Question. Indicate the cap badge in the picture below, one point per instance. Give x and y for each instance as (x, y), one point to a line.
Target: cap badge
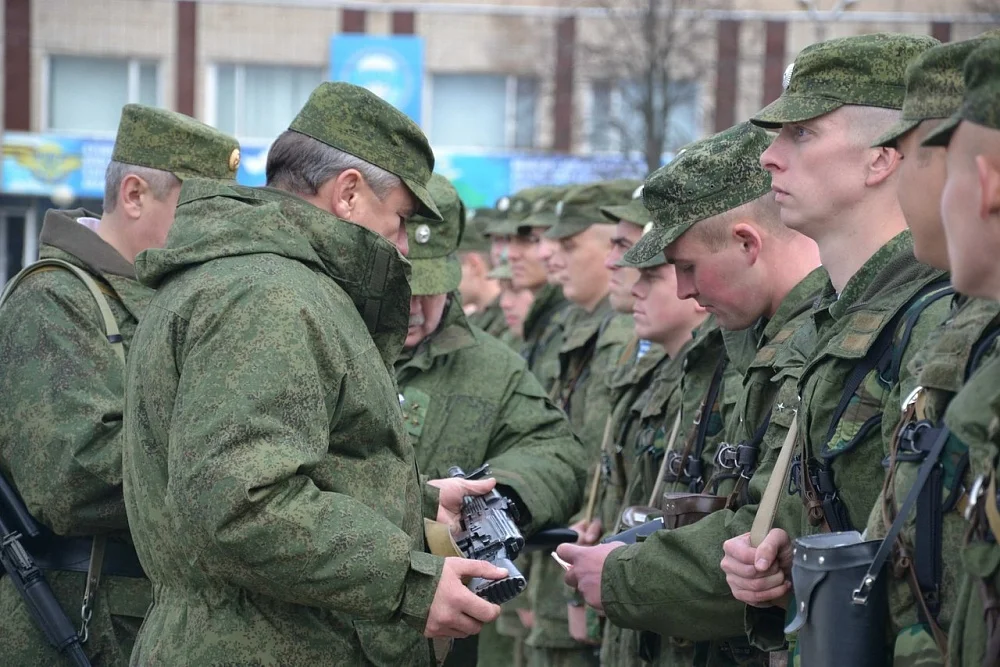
(503, 204)
(234, 159)
(559, 208)
(648, 228)
(422, 234)
(638, 193)
(787, 77)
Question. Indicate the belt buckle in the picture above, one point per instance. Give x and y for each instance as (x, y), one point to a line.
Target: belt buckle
(975, 492)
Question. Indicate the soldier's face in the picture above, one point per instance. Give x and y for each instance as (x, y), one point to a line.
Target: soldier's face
(659, 314)
(922, 174)
(580, 267)
(818, 171)
(386, 217)
(970, 210)
(526, 266)
(719, 280)
(622, 279)
(515, 303)
(425, 316)
(155, 218)
(550, 252)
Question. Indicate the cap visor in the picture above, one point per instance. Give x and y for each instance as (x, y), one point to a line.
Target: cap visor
(543, 220)
(614, 213)
(564, 231)
(794, 109)
(895, 132)
(656, 260)
(941, 135)
(427, 207)
(439, 275)
(646, 249)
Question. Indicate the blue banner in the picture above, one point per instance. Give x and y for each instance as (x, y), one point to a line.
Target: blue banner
(38, 164)
(390, 67)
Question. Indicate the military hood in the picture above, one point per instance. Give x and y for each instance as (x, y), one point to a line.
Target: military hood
(216, 219)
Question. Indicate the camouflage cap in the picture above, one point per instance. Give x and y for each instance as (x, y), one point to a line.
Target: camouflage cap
(543, 210)
(170, 141)
(581, 206)
(501, 271)
(934, 86)
(476, 237)
(355, 120)
(707, 178)
(634, 211)
(436, 269)
(981, 102)
(867, 70)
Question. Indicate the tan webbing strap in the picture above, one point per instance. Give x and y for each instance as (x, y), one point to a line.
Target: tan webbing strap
(768, 507)
(658, 484)
(114, 337)
(990, 506)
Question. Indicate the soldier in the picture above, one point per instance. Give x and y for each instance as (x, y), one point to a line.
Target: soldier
(273, 494)
(593, 342)
(970, 205)
(835, 189)
(61, 436)
(469, 399)
(719, 225)
(514, 302)
(480, 293)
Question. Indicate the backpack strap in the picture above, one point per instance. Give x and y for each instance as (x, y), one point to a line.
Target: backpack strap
(111, 330)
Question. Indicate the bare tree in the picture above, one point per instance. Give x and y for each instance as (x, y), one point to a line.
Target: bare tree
(652, 54)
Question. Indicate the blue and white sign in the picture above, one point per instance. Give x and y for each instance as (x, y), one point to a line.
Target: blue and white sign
(390, 67)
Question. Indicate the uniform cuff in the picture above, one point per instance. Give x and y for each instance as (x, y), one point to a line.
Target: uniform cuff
(419, 588)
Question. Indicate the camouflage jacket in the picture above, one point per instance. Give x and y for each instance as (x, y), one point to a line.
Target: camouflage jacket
(941, 367)
(469, 399)
(884, 286)
(593, 344)
(272, 491)
(543, 330)
(490, 319)
(685, 594)
(61, 434)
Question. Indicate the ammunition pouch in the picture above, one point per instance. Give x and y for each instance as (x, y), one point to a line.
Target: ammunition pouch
(838, 624)
(683, 509)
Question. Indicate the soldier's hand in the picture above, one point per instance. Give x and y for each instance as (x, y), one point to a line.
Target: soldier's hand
(453, 489)
(527, 618)
(456, 611)
(589, 533)
(586, 565)
(759, 576)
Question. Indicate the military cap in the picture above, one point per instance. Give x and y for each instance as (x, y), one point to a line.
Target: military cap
(501, 271)
(355, 120)
(170, 141)
(650, 262)
(634, 211)
(517, 207)
(934, 86)
(707, 178)
(981, 102)
(867, 70)
(581, 206)
(475, 238)
(543, 210)
(436, 269)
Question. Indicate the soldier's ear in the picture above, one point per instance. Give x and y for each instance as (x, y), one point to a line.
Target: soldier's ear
(988, 171)
(884, 162)
(131, 193)
(345, 193)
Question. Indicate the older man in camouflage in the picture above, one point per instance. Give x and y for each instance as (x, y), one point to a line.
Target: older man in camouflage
(468, 399)
(270, 483)
(970, 216)
(61, 433)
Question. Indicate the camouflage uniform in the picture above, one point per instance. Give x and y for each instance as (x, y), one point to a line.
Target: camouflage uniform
(61, 434)
(469, 399)
(490, 319)
(973, 416)
(837, 469)
(684, 593)
(272, 492)
(592, 346)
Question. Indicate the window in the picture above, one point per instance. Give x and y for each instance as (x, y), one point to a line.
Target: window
(259, 101)
(87, 94)
(491, 111)
(616, 119)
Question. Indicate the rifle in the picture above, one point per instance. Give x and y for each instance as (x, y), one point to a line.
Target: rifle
(29, 580)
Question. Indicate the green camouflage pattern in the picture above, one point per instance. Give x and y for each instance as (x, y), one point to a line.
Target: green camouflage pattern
(469, 399)
(61, 436)
(981, 101)
(517, 207)
(170, 141)
(592, 347)
(543, 334)
(478, 222)
(355, 120)
(684, 592)
(634, 211)
(861, 439)
(707, 178)
(934, 86)
(582, 206)
(864, 70)
(491, 320)
(434, 245)
(941, 366)
(270, 485)
(975, 411)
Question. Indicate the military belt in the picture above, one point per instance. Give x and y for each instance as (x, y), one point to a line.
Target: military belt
(72, 554)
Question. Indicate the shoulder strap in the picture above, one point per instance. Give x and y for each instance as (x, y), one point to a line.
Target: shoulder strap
(694, 465)
(114, 336)
(979, 350)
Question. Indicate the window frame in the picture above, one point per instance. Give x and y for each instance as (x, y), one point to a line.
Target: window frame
(615, 108)
(510, 113)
